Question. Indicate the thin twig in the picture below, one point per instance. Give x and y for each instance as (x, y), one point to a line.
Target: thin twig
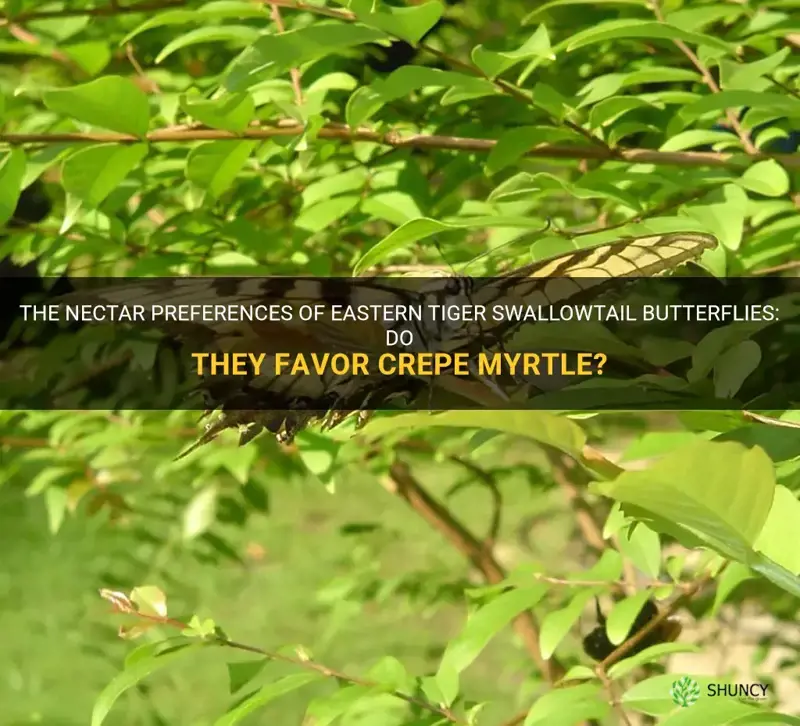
(150, 84)
(122, 604)
(708, 79)
(563, 469)
(293, 72)
(613, 694)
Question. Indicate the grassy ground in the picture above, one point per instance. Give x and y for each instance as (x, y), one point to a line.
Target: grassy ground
(59, 650)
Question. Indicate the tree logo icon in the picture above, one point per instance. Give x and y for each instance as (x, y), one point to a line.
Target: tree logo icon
(685, 692)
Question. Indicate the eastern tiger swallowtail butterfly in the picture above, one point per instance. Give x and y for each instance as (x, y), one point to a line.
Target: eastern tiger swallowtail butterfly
(598, 646)
(285, 404)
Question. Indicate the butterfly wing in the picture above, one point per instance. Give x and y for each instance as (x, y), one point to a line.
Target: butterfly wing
(570, 277)
(284, 404)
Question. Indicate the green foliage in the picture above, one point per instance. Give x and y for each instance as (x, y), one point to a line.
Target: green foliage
(229, 137)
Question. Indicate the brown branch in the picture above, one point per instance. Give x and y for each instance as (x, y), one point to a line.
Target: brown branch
(613, 694)
(101, 11)
(294, 72)
(401, 482)
(793, 265)
(148, 85)
(708, 79)
(342, 132)
(564, 469)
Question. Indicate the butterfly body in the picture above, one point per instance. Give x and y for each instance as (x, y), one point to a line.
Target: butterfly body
(598, 646)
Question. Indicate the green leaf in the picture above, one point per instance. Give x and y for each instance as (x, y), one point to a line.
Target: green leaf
(781, 527)
(723, 213)
(776, 573)
(608, 568)
(515, 143)
(636, 28)
(12, 169)
(418, 229)
(112, 102)
(734, 366)
(761, 719)
(620, 619)
(323, 214)
(564, 3)
(201, 513)
(611, 110)
(494, 63)
(199, 628)
(546, 428)
(264, 695)
(649, 655)
(55, 501)
(567, 706)
(213, 166)
(368, 100)
(710, 712)
(643, 547)
(734, 575)
(557, 623)
(766, 177)
(236, 35)
(220, 10)
(745, 75)
(737, 99)
(696, 137)
(232, 260)
(272, 54)
(696, 18)
(92, 57)
(242, 672)
(232, 112)
(579, 673)
(131, 676)
(324, 711)
(390, 674)
(720, 492)
(91, 174)
(409, 24)
(485, 623)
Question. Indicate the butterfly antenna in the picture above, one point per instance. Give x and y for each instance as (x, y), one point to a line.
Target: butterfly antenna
(444, 258)
(601, 619)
